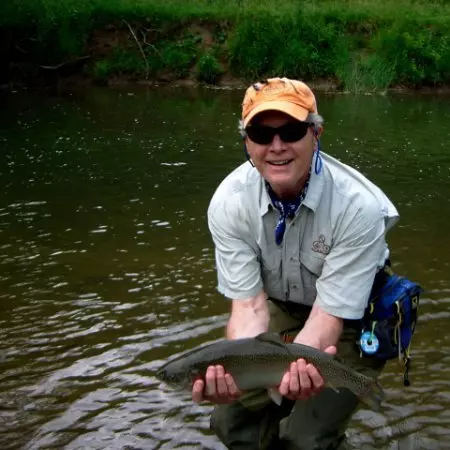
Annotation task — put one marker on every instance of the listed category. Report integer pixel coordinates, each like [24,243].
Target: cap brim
[293,110]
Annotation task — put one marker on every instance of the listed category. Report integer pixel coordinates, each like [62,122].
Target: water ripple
[107,266]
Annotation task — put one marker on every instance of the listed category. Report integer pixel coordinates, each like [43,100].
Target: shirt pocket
[302,278]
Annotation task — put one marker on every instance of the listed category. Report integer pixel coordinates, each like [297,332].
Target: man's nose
[276,144]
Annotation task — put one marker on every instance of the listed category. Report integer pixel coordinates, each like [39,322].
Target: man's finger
[221,384]
[315,377]
[197,391]
[284,385]
[210,380]
[303,375]
[332,350]
[294,383]
[232,388]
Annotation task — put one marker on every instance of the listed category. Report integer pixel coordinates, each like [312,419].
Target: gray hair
[316,120]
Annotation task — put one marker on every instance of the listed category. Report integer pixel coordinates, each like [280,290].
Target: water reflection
[107,265]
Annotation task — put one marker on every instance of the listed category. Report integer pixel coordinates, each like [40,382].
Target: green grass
[361,44]
[299,45]
[365,73]
[353,11]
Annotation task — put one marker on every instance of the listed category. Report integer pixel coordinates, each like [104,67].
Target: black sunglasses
[289,132]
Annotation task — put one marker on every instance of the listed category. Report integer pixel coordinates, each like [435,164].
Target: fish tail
[374,395]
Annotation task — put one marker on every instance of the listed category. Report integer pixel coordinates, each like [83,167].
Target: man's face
[285,165]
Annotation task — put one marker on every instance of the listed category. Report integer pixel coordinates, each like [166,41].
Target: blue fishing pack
[390,319]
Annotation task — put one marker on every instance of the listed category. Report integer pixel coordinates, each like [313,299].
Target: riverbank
[351,45]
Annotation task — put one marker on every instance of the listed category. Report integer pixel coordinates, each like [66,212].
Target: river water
[107,265]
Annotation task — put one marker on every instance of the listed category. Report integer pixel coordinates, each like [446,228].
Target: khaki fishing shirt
[331,249]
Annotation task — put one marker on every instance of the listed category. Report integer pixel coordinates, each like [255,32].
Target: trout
[261,362]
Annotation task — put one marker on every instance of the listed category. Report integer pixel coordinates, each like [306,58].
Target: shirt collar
[266,203]
[315,189]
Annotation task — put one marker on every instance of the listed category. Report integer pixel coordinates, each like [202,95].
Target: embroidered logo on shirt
[319,246]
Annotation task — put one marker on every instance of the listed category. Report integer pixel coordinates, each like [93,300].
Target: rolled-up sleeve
[349,270]
[236,251]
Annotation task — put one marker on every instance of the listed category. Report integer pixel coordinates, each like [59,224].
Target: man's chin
[281,184]
[284,178]
[284,183]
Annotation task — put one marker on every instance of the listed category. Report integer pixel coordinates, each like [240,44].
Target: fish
[260,362]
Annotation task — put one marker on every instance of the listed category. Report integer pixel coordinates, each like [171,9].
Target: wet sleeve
[236,252]
[349,270]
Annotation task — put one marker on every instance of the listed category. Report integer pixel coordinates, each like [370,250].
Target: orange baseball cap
[292,97]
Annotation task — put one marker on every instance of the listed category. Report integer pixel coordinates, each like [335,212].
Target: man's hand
[248,318]
[322,331]
[218,387]
[302,380]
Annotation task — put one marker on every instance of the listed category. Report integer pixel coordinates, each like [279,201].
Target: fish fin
[275,339]
[374,396]
[275,395]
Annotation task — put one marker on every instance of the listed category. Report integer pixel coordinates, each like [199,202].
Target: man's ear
[317,131]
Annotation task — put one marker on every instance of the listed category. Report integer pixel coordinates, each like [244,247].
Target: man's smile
[280,163]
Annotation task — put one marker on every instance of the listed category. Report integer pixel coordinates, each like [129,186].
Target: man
[299,238]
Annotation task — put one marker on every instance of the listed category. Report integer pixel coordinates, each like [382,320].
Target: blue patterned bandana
[286,208]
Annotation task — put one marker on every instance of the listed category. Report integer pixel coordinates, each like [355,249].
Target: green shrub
[208,69]
[311,47]
[419,55]
[177,59]
[102,69]
[296,45]
[179,56]
[62,27]
[121,61]
[127,61]
[254,44]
